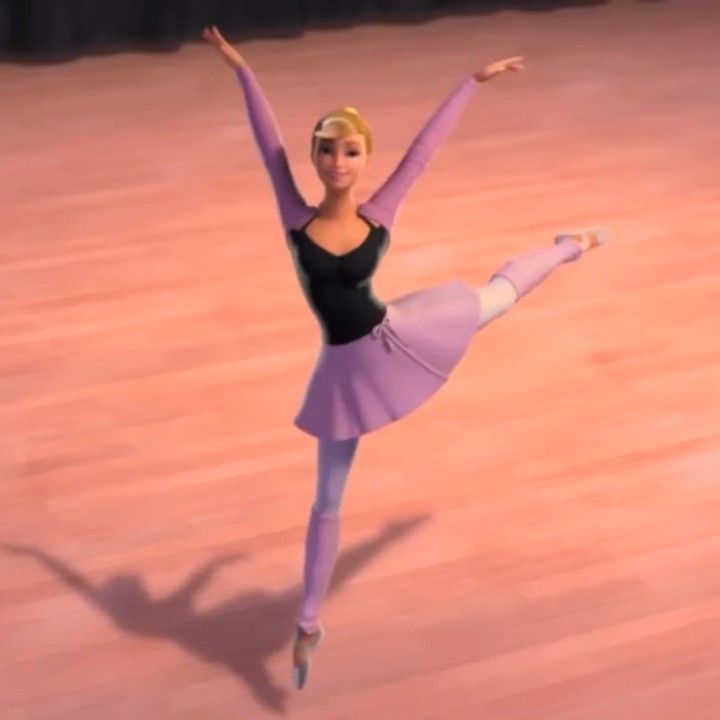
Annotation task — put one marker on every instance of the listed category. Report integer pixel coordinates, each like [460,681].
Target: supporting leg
[334,460]
[321,546]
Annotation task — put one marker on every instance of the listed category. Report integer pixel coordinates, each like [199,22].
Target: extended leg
[496,298]
[518,277]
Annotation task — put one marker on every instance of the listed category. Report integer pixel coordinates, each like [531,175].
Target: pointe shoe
[587,239]
[305,642]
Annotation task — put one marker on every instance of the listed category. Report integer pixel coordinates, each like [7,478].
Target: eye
[324,150]
[353,153]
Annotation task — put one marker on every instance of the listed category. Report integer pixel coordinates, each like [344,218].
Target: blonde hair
[339,124]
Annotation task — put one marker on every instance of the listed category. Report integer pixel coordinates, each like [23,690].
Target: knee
[496,298]
[327,504]
[326,509]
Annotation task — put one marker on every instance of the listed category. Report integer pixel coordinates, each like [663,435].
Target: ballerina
[378,360]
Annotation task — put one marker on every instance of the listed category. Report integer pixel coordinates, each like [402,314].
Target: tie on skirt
[370,382]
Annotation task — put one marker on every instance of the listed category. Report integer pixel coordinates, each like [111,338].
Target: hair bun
[350,109]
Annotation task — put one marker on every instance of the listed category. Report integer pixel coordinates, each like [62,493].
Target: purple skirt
[370,382]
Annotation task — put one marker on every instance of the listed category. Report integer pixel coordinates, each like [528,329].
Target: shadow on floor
[240,634]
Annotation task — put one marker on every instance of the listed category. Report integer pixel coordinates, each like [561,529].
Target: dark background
[44,30]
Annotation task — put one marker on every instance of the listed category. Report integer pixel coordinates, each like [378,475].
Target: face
[340,162]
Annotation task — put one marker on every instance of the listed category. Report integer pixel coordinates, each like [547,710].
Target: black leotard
[338,287]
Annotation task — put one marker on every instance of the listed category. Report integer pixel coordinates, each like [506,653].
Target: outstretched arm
[69,576]
[293,209]
[383,205]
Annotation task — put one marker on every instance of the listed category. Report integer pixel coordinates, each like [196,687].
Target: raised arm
[292,207]
[67,574]
[185,594]
[383,205]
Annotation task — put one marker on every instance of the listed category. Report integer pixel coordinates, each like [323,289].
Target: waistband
[385,332]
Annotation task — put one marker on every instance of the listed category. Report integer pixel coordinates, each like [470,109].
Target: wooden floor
[539,541]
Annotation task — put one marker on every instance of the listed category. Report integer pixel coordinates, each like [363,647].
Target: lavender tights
[323,534]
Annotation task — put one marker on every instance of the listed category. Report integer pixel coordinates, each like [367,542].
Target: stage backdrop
[45,30]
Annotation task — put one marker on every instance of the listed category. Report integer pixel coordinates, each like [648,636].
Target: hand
[490,71]
[231,56]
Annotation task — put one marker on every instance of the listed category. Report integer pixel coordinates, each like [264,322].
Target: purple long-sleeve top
[384,203]
[338,287]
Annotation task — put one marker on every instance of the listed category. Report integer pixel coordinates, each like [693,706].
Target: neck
[338,204]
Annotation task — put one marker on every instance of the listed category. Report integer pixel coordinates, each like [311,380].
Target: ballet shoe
[304,643]
[587,239]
